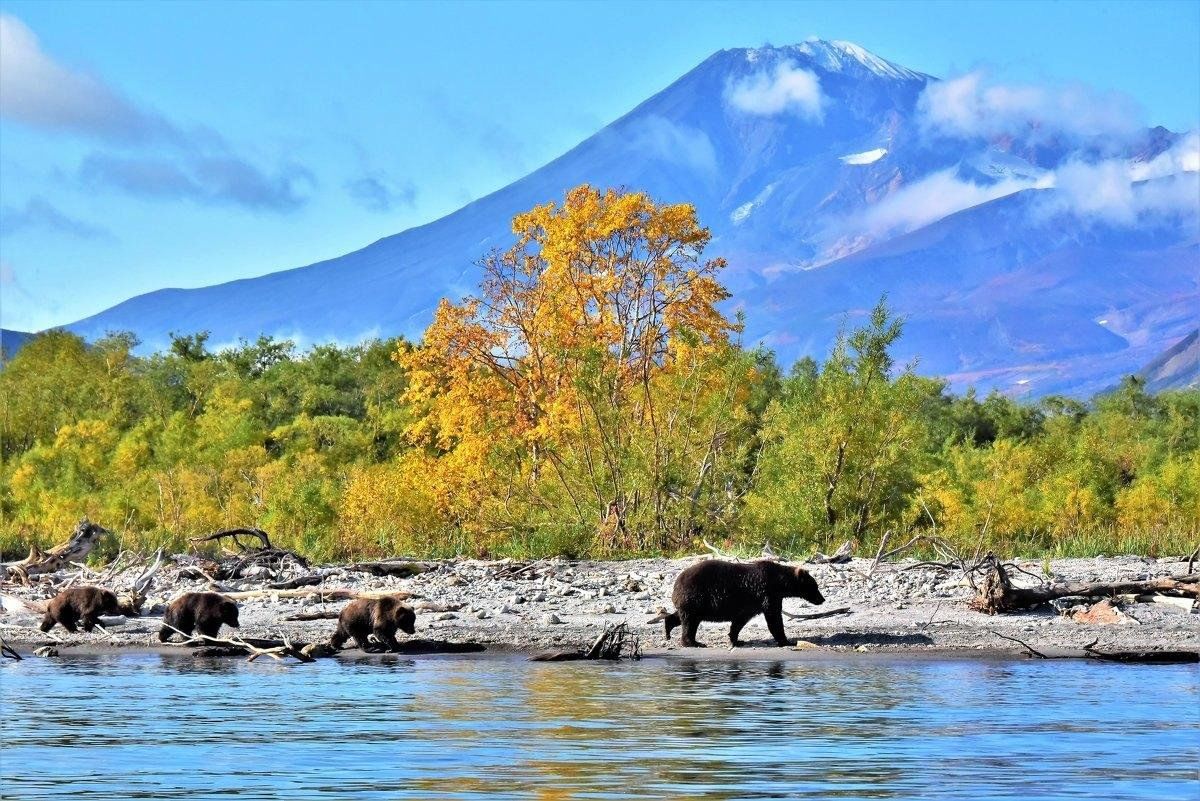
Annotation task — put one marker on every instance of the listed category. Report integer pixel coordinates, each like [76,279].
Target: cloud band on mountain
[974,105]
[663,139]
[786,88]
[1113,191]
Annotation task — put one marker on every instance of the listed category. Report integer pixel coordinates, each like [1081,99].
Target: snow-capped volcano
[828,175]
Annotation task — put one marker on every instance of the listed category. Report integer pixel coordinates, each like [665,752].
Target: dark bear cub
[726,591]
[82,606]
[379,616]
[202,611]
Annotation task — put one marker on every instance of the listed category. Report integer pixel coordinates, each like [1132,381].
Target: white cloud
[195,164]
[1183,156]
[935,196]
[974,105]
[1113,191]
[1121,193]
[38,91]
[660,138]
[786,88]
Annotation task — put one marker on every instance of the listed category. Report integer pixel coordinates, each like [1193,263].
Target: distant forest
[592,399]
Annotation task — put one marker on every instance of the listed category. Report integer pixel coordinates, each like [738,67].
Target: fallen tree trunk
[76,549]
[998,594]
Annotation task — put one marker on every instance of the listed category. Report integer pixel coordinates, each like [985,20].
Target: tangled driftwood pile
[998,594]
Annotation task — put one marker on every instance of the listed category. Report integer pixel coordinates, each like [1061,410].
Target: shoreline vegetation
[592,401]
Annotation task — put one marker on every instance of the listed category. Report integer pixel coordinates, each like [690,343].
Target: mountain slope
[1176,368]
[793,196]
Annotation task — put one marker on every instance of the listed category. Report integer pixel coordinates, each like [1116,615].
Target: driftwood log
[7,651]
[76,549]
[247,556]
[1163,657]
[614,641]
[997,593]
[276,649]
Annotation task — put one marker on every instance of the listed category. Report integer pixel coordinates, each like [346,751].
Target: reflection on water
[148,726]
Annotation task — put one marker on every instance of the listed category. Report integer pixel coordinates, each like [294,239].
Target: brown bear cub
[80,605]
[726,591]
[203,611]
[378,616]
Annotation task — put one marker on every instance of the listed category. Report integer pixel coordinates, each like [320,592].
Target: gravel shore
[558,604]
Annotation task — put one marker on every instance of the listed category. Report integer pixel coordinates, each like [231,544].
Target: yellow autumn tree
[543,396]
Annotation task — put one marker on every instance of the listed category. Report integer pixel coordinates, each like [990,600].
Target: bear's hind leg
[735,628]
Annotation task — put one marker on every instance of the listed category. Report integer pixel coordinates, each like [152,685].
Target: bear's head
[406,619]
[805,586]
[109,603]
[229,613]
[393,610]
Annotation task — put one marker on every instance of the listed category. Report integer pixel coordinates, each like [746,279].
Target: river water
[132,726]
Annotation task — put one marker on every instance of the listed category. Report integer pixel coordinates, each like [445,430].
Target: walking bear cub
[80,605]
[202,611]
[726,591]
[379,616]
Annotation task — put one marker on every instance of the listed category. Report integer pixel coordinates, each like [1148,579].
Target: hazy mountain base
[901,607]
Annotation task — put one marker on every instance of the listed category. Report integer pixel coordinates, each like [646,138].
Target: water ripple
[164,727]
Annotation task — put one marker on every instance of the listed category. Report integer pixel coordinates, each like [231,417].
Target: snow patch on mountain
[866,157]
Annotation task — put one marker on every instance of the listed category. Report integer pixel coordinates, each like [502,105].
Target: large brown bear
[379,616]
[203,611]
[82,605]
[726,591]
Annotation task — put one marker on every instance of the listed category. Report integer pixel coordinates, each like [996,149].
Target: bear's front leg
[774,616]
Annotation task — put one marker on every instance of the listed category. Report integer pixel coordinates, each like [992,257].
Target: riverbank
[552,604]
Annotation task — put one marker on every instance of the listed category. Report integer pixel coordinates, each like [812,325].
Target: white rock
[551,619]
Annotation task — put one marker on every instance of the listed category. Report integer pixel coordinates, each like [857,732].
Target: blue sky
[180,144]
